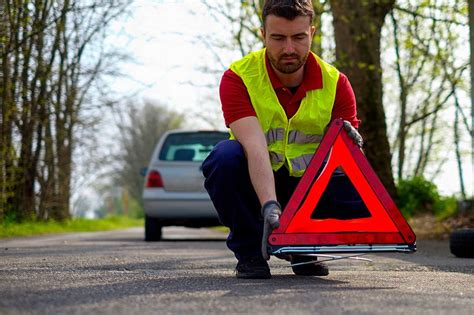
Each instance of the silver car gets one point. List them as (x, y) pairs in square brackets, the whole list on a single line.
[(174, 191)]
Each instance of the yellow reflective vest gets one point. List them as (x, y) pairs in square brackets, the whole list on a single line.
[(290, 141)]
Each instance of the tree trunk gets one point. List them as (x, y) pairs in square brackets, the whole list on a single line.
[(471, 36), (318, 35), (5, 122), (27, 169), (403, 102), (357, 28), (457, 141)]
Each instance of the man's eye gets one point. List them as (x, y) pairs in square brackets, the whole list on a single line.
[(301, 37), (278, 38)]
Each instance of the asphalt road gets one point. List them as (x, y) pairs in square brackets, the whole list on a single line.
[(191, 272)]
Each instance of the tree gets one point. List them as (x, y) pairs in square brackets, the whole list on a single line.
[(139, 132), (51, 55), (471, 40), (6, 168), (427, 82), (357, 29)]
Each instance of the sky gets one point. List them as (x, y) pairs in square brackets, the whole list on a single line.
[(161, 36)]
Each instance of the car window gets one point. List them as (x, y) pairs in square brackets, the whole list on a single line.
[(190, 146)]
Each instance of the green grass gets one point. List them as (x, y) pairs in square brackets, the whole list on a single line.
[(73, 225), (220, 229)]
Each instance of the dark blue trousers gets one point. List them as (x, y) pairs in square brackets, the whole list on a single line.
[(231, 191)]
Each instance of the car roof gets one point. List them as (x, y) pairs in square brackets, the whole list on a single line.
[(195, 131)]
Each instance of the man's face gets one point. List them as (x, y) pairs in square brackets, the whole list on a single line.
[(288, 42)]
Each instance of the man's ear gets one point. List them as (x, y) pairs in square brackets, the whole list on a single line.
[(313, 29), (262, 33)]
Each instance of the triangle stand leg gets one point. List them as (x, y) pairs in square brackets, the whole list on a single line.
[(332, 258)]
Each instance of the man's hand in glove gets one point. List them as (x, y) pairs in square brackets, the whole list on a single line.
[(353, 134), (271, 212)]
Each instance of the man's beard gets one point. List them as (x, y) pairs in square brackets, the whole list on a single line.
[(287, 68)]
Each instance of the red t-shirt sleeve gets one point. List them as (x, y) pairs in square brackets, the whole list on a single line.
[(235, 99), (345, 102)]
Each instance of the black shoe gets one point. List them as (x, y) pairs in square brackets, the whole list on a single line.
[(286, 257), (253, 268), (316, 269)]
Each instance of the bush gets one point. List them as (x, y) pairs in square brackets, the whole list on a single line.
[(136, 210), (418, 195), (446, 207)]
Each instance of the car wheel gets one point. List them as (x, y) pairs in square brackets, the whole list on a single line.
[(461, 243), (152, 229)]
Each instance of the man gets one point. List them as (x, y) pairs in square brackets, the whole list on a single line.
[(277, 103)]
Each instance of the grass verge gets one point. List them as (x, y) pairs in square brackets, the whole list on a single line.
[(220, 229), (72, 225), (428, 226)]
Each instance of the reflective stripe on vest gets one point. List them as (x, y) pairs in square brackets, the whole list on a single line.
[(273, 135), (301, 162), (295, 136), (291, 142), (276, 158)]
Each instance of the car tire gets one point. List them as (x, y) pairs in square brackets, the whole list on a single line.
[(461, 243), (152, 229)]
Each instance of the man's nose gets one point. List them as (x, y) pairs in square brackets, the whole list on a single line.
[(289, 46)]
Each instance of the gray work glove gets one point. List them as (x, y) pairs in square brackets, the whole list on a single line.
[(271, 212), (353, 134)]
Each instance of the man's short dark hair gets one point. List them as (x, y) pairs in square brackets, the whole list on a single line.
[(288, 9)]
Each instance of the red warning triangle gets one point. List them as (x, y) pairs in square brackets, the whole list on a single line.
[(386, 225)]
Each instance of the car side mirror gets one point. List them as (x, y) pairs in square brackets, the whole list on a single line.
[(143, 171)]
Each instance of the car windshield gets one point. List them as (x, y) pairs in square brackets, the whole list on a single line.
[(190, 146)]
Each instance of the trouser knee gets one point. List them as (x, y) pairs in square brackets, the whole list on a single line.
[(226, 158)]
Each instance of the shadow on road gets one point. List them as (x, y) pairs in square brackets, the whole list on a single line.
[(432, 256), (226, 287)]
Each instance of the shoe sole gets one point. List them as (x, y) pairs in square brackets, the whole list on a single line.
[(250, 276), (311, 274)]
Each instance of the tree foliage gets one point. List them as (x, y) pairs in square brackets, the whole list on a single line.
[(50, 57), (427, 75)]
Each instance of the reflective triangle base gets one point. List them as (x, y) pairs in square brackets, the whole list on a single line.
[(362, 248)]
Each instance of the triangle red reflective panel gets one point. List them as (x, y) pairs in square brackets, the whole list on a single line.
[(385, 225)]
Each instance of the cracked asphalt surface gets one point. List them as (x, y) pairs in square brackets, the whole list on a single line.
[(191, 272)]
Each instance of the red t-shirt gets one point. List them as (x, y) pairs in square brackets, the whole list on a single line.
[(236, 102)]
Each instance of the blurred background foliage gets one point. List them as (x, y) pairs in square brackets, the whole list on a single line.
[(419, 196)]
